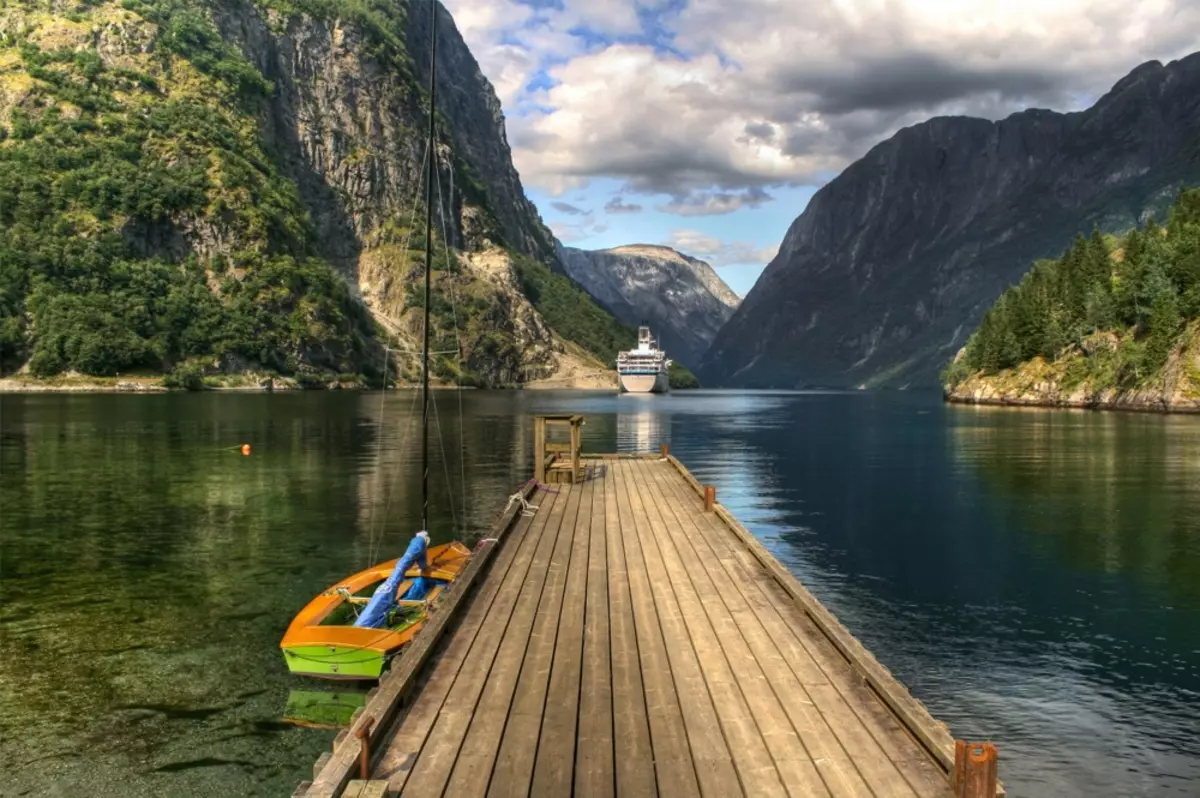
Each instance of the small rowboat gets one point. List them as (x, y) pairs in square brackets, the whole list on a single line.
[(322, 640)]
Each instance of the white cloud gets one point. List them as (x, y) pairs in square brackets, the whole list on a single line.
[(772, 93), (719, 253), (507, 66)]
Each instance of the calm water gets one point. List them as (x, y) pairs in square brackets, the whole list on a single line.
[(1033, 576)]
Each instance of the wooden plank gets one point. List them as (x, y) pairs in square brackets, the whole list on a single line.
[(916, 718), (473, 770), (413, 728), (667, 701), (594, 771), (766, 683), (402, 677), (801, 644), (440, 755), (830, 759), (554, 767), (365, 789), (514, 763), (747, 750), (634, 757), (849, 709)]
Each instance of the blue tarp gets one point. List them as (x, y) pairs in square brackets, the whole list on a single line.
[(375, 615)]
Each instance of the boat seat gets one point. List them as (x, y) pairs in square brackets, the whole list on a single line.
[(360, 600)]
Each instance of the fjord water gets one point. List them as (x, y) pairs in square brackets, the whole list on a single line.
[(1033, 576)]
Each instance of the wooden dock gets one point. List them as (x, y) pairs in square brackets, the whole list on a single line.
[(629, 637)]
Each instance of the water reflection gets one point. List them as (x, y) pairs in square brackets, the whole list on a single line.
[(1032, 576), (1103, 492)]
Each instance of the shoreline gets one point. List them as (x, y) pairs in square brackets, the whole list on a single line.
[(16, 385), (1121, 402)]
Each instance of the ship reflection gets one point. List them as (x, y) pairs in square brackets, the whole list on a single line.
[(641, 431)]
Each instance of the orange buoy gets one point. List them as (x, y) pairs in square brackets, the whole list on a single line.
[(246, 449)]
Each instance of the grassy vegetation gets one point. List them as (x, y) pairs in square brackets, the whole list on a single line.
[(99, 169), (147, 225), (681, 378), (571, 312), (1124, 304)]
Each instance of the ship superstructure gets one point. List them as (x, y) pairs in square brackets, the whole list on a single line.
[(644, 369)]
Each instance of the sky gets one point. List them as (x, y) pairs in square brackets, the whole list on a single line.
[(706, 125)]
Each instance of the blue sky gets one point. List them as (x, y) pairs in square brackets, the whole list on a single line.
[(707, 125)]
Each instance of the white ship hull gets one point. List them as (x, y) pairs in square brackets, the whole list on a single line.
[(645, 383)]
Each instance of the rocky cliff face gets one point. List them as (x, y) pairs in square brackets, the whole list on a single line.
[(681, 298), (892, 264), (294, 133), (349, 126)]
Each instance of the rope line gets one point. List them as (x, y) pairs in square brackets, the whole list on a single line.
[(462, 449), (375, 536)]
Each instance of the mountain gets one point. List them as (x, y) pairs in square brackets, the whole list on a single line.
[(1113, 323), (681, 298), (230, 187), (894, 262)]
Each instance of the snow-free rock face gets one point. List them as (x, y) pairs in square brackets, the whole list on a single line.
[(277, 145), (893, 263), (350, 129), (681, 298)]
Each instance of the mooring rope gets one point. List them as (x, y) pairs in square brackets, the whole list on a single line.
[(527, 509)]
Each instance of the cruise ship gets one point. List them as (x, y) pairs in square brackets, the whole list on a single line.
[(644, 370)]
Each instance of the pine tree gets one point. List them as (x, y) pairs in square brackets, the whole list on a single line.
[(1162, 316)]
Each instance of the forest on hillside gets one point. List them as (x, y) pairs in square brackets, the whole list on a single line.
[(149, 225), (1124, 303)]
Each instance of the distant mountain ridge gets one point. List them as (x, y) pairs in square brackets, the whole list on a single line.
[(893, 263), (682, 298)]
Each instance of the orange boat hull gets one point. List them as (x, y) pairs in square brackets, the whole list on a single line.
[(314, 647)]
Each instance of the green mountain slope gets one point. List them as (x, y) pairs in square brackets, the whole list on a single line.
[(226, 188), (1112, 322)]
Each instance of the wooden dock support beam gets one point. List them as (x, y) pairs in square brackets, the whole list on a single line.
[(710, 497), (974, 770), (665, 449), (364, 752)]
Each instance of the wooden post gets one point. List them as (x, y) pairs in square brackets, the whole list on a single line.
[(710, 497), (539, 448), (364, 752), (974, 770), (575, 446), (665, 449)]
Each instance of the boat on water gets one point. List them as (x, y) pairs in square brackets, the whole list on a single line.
[(645, 369), (352, 629)]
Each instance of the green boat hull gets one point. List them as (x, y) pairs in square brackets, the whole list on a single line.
[(334, 662), (321, 709)]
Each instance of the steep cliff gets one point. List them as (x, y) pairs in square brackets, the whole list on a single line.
[(235, 186), (893, 263), (681, 298)]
